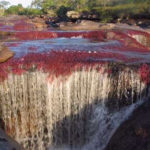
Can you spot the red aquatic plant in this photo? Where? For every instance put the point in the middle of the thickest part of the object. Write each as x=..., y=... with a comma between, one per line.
x=60, y=63
x=23, y=26
x=34, y=35
x=32, y=48
x=13, y=44
x=145, y=73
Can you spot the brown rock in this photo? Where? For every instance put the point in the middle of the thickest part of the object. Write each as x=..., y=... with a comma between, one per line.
x=39, y=23
x=5, y=53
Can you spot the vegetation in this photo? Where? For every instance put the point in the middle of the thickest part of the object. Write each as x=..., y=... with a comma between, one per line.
x=19, y=10
x=107, y=10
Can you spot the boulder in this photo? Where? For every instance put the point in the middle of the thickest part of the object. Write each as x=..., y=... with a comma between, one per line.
x=73, y=15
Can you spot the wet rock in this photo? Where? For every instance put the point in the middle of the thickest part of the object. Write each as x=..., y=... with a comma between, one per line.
x=7, y=143
x=53, y=22
x=133, y=134
x=5, y=53
x=144, y=23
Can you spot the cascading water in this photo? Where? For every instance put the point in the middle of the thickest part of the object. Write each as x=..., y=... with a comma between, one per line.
x=71, y=92
x=39, y=113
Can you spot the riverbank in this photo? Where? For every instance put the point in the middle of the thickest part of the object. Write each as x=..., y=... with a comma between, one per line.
x=47, y=23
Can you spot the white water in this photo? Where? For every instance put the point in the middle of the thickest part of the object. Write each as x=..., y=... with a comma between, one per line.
x=81, y=111
x=102, y=127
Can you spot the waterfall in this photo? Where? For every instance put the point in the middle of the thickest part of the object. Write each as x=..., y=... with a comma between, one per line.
x=78, y=111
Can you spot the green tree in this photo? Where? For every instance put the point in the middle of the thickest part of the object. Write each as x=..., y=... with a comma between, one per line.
x=16, y=9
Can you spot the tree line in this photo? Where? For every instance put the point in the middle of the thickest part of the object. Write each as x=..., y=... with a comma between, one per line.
x=107, y=10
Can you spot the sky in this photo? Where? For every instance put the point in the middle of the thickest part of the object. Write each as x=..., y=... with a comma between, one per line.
x=25, y=3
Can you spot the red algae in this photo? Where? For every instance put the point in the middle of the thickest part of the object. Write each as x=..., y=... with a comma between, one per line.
x=31, y=48
x=63, y=62
x=35, y=35
x=137, y=32
x=125, y=39
x=58, y=63
x=23, y=26
x=144, y=72
x=143, y=36
x=98, y=35
x=13, y=44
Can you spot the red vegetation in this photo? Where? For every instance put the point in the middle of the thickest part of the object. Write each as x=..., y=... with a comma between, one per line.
x=35, y=35
x=98, y=35
x=23, y=26
x=13, y=44
x=59, y=63
x=125, y=39
x=145, y=73
x=65, y=62
x=136, y=32
x=32, y=48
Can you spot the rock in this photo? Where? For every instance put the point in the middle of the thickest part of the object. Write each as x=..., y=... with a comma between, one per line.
x=144, y=24
x=82, y=25
x=73, y=14
x=4, y=35
x=5, y=53
x=38, y=22
x=7, y=143
x=90, y=15
x=133, y=134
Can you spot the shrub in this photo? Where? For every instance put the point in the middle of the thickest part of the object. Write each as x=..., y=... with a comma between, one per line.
x=19, y=10
x=62, y=12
